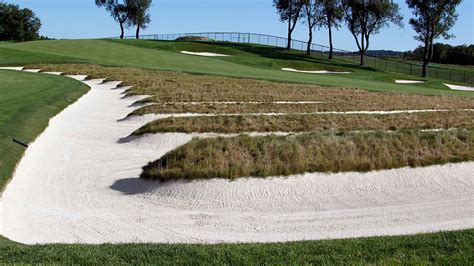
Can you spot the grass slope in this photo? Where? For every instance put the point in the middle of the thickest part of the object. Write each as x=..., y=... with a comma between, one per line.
x=249, y=61
x=27, y=102
x=453, y=248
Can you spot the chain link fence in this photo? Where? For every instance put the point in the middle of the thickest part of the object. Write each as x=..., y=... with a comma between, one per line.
x=385, y=64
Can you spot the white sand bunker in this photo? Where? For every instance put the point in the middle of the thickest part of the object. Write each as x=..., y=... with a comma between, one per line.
x=404, y=81
x=459, y=88
x=78, y=183
x=11, y=68
x=314, y=72
x=203, y=54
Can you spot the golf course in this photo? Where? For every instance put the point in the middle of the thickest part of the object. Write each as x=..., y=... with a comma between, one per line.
x=65, y=56
x=350, y=140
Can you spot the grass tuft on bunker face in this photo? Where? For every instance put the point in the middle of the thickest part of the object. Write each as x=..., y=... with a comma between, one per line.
x=245, y=156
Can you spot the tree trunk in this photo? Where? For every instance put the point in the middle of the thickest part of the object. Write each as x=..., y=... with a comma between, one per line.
x=121, y=30
x=288, y=46
x=310, y=40
x=330, y=41
x=138, y=32
x=426, y=60
x=362, y=58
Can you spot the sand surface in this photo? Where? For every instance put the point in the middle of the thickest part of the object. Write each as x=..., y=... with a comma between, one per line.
x=78, y=183
x=459, y=88
x=204, y=54
x=315, y=71
x=403, y=81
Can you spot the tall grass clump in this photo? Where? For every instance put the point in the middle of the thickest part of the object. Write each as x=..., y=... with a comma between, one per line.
x=245, y=156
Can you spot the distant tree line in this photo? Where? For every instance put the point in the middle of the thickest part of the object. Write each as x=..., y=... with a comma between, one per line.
x=17, y=24
x=432, y=19
x=445, y=54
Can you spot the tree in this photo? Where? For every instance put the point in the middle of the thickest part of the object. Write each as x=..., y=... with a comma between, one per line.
x=18, y=24
x=366, y=17
x=120, y=11
x=139, y=15
x=330, y=15
x=433, y=19
x=289, y=10
x=311, y=19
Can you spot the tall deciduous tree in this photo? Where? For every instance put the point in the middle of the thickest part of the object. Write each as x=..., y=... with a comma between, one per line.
x=119, y=10
x=330, y=15
x=433, y=19
x=366, y=17
x=289, y=11
x=311, y=15
x=139, y=15
x=18, y=24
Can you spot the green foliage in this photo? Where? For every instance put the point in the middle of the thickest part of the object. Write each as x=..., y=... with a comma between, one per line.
x=446, y=54
x=433, y=19
x=138, y=14
x=364, y=18
x=18, y=24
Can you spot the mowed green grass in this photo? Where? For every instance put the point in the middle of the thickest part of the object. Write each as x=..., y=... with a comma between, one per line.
x=444, y=248
x=248, y=61
x=27, y=102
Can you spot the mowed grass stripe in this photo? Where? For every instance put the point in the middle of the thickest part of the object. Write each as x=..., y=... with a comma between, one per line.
x=308, y=123
x=27, y=102
x=434, y=248
x=245, y=156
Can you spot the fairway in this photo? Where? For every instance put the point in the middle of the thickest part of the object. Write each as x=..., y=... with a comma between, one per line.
x=27, y=103
x=248, y=61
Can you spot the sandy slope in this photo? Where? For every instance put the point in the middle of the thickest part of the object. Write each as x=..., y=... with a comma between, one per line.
x=78, y=183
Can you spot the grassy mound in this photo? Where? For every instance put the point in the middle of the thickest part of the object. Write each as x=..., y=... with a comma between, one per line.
x=245, y=156
x=194, y=39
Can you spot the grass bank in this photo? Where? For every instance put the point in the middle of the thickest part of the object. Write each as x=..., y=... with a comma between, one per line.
x=308, y=123
x=27, y=102
x=244, y=156
x=435, y=248
x=248, y=62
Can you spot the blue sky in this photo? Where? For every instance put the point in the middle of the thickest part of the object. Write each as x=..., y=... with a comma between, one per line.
x=72, y=19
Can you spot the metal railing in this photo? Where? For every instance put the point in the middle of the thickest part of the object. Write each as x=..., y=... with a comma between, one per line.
x=376, y=62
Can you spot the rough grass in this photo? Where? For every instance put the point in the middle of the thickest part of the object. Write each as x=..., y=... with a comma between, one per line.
x=308, y=123
x=178, y=87
x=443, y=248
x=245, y=156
